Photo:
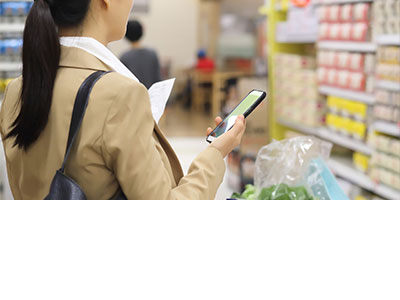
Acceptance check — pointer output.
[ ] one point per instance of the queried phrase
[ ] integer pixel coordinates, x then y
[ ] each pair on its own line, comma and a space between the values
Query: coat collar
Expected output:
76, 58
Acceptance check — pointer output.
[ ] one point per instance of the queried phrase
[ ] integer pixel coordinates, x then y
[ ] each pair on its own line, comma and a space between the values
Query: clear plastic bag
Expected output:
295, 169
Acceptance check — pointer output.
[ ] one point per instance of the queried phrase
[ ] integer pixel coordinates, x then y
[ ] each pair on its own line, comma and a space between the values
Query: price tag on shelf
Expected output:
301, 3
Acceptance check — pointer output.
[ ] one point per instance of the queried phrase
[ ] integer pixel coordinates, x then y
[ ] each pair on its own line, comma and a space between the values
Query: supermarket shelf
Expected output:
347, 94
387, 192
387, 128
388, 39
329, 2
298, 127
12, 27
10, 66
343, 168
327, 135
345, 141
347, 46
388, 85
297, 39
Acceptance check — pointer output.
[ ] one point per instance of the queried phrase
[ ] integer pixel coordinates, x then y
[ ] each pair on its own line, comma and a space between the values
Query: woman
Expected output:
119, 144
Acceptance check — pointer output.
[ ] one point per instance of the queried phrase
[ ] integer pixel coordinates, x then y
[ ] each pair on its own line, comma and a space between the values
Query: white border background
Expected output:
347, 250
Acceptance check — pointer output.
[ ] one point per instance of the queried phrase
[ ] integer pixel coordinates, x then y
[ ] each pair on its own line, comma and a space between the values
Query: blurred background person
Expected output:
204, 63
141, 61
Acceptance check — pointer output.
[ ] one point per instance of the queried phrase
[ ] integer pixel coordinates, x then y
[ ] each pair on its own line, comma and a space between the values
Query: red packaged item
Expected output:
334, 32
345, 31
334, 13
343, 60
357, 61
357, 81
361, 12
323, 33
322, 58
346, 13
322, 75
359, 32
332, 59
332, 77
322, 13
343, 79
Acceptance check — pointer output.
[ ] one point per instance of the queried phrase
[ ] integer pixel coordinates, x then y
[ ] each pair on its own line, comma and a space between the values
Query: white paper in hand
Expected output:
159, 95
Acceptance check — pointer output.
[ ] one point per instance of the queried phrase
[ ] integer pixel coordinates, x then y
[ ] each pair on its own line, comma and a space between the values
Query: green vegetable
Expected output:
275, 192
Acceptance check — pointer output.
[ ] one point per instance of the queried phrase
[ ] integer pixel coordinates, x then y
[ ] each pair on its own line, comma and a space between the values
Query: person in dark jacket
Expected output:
143, 62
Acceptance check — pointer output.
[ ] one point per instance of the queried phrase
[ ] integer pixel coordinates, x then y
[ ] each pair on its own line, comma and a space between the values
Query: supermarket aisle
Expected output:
5, 192
187, 149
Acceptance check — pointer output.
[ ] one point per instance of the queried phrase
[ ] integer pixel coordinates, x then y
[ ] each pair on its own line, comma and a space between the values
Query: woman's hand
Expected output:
227, 142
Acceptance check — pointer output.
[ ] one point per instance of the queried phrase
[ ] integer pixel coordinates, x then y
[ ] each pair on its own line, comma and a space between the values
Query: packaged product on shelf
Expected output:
296, 90
389, 54
361, 161
348, 108
347, 70
14, 11
10, 49
346, 13
385, 177
385, 161
386, 17
384, 143
360, 32
345, 31
347, 22
387, 113
388, 98
334, 13
362, 12
346, 126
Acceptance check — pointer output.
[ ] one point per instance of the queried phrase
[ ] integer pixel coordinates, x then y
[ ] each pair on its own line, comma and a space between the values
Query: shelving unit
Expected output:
388, 39
344, 141
297, 39
343, 168
330, 136
10, 66
388, 85
328, 2
347, 46
11, 28
387, 128
299, 128
347, 94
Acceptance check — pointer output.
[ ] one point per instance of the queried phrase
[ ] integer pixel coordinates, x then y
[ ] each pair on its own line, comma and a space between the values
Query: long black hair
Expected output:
41, 58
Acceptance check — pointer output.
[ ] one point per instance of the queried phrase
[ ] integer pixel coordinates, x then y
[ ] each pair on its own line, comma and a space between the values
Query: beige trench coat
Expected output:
119, 144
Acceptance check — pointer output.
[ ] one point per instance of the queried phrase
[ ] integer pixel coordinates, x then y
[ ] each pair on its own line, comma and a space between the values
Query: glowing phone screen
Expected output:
241, 109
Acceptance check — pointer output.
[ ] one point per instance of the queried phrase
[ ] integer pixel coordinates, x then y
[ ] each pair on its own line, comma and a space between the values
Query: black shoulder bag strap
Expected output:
63, 187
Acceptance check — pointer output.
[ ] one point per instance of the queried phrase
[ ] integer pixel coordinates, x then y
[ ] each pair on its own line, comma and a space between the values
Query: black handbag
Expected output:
62, 186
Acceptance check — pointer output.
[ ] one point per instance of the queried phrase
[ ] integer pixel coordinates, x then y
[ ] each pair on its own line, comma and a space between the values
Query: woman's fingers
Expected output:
209, 130
218, 120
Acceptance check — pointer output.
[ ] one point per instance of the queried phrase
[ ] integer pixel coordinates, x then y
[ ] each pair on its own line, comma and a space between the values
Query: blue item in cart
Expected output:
323, 183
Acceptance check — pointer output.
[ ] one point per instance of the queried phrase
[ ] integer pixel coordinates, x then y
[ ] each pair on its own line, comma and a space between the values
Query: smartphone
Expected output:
246, 107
